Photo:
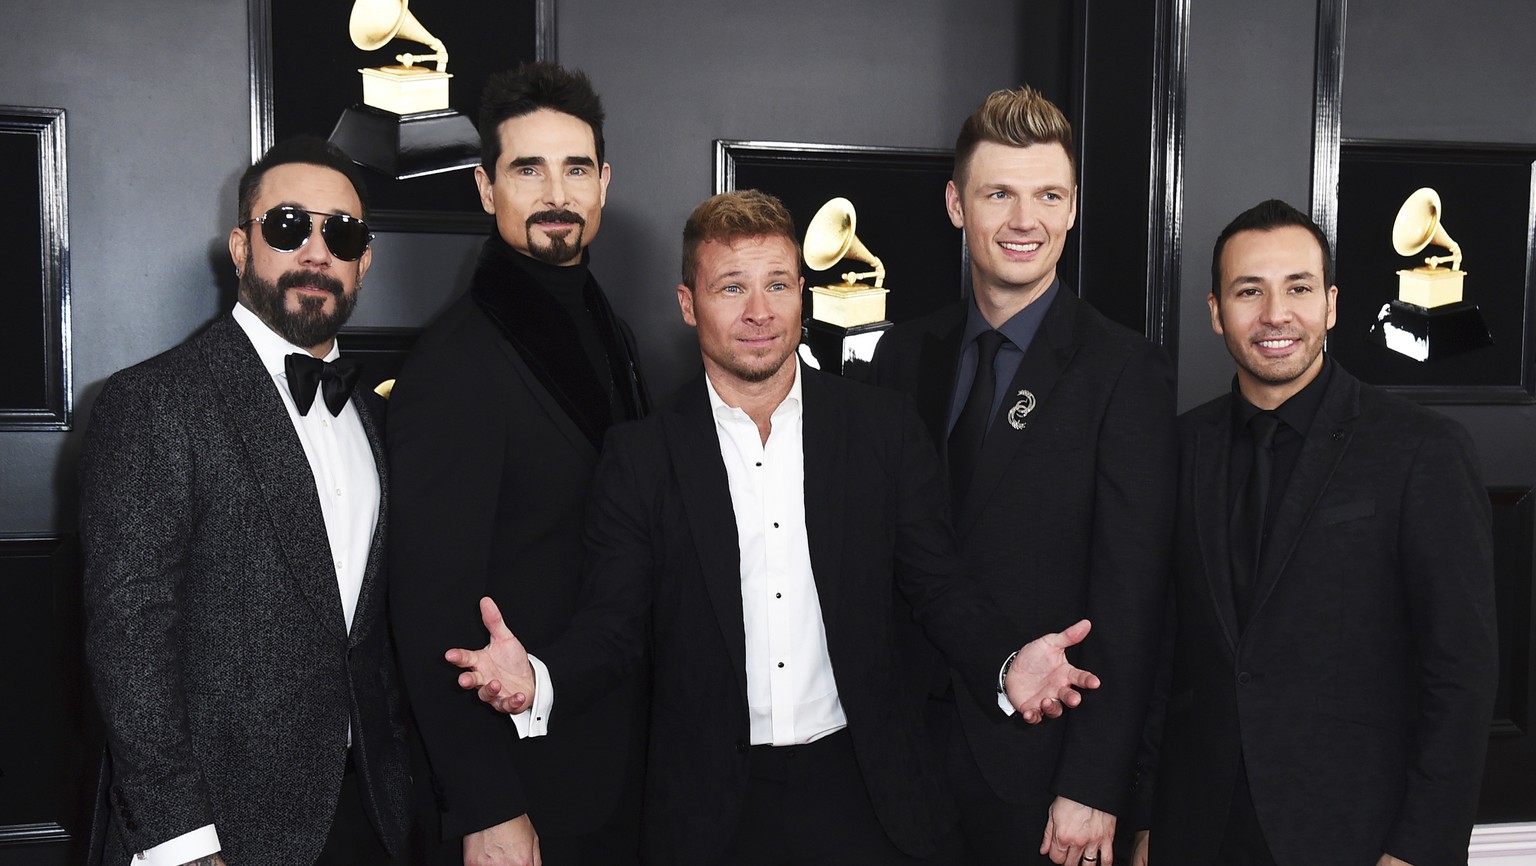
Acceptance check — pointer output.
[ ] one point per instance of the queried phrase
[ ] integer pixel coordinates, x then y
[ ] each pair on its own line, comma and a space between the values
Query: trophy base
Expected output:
848, 306
407, 145
1429, 334
1430, 287
845, 351
405, 89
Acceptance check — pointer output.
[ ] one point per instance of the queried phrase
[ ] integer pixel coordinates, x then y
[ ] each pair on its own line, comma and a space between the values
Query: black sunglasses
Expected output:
285, 229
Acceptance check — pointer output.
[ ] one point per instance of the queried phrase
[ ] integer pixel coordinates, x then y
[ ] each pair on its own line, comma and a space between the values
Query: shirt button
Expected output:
778, 595
1245, 678
324, 423
338, 491
781, 664
758, 463
775, 526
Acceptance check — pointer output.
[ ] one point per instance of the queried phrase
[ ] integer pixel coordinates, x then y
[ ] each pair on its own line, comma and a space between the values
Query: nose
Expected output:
315, 253
1276, 308
1022, 215
554, 191
758, 311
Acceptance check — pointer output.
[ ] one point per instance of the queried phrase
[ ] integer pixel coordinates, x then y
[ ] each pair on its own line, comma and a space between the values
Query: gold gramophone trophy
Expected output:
404, 127
1428, 320
847, 319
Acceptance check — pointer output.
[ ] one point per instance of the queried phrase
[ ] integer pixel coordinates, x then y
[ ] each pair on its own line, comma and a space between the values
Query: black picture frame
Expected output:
304, 74
35, 352
382, 352
897, 193
1488, 198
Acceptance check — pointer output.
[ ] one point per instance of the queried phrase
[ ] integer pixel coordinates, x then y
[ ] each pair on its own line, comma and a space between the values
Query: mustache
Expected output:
556, 216
312, 279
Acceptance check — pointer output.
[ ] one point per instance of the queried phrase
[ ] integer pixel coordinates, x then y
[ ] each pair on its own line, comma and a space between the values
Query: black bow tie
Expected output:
306, 373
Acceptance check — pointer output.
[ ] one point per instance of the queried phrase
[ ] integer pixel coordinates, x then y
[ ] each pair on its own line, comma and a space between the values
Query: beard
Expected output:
309, 325
560, 249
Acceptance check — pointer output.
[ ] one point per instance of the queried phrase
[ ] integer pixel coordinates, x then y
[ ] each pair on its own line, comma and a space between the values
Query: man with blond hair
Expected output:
753, 535
1057, 427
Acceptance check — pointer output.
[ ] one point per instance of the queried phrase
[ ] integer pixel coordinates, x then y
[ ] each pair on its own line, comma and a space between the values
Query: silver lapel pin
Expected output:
1021, 410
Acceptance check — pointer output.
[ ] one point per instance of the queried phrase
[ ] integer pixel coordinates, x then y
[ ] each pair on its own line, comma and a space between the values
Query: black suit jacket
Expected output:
1361, 691
1070, 517
214, 630
493, 436
665, 559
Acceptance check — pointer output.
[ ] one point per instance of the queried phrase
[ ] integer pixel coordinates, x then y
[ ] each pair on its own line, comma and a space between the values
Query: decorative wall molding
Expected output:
1503, 844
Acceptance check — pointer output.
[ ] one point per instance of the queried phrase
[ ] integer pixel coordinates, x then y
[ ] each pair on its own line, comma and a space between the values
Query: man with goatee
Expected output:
495, 426
232, 523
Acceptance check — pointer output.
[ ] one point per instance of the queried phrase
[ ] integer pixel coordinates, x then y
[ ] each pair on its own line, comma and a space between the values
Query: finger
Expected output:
1069, 696
471, 680
1045, 840
1081, 678
1028, 715
1071, 635
1106, 853
1051, 708
460, 657
490, 615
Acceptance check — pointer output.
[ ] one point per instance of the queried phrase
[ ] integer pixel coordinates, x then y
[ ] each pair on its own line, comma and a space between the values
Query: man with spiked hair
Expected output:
1057, 428
495, 425
234, 498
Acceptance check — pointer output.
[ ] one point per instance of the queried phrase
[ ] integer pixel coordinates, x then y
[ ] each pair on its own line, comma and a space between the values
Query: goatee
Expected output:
309, 325
561, 249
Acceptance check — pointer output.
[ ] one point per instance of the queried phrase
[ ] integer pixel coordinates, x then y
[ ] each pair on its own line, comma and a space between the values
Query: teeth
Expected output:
1021, 248
1275, 344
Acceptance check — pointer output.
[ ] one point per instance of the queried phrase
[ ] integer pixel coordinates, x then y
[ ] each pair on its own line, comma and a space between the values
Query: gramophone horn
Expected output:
1418, 225
375, 22
830, 237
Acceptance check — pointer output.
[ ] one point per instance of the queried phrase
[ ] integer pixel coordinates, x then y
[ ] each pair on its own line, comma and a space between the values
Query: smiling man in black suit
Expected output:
1057, 426
1333, 668
233, 507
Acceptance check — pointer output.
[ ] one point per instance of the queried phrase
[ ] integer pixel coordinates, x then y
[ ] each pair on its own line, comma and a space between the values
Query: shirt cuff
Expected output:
534, 721
1002, 691
183, 849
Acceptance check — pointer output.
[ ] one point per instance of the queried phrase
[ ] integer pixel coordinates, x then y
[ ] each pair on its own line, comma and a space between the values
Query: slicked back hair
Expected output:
1015, 118
528, 88
746, 213
305, 150
1268, 216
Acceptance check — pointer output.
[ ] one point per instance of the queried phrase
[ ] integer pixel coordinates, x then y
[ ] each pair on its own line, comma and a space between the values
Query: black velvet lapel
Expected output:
545, 337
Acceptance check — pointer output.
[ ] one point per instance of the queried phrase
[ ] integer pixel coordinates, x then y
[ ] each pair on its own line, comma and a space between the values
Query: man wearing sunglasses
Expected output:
232, 524
495, 425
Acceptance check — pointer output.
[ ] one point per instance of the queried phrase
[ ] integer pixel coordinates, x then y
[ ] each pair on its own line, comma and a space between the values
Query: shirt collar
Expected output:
1021, 326
271, 347
1297, 412
723, 410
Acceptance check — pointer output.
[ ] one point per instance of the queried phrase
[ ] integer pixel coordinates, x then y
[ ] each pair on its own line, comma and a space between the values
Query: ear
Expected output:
364, 262
238, 246
602, 197
1072, 214
484, 184
1333, 305
952, 204
685, 304
1210, 301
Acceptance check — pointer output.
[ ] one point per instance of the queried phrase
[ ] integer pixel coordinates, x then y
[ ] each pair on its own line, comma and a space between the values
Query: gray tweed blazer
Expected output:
214, 631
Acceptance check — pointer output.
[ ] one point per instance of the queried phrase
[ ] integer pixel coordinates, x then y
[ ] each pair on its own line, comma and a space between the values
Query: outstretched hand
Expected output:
1041, 683
499, 673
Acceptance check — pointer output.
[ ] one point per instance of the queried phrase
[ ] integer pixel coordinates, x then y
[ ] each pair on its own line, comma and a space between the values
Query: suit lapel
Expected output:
826, 458
1212, 456
552, 407
705, 489
372, 592
1048, 354
1321, 451
257, 416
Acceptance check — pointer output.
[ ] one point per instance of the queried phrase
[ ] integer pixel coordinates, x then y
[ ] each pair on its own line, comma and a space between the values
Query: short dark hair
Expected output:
1268, 216
306, 150
747, 213
1015, 118
527, 89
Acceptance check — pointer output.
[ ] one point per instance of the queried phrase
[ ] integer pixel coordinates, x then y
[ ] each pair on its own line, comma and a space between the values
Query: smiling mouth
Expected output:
1278, 343
1012, 246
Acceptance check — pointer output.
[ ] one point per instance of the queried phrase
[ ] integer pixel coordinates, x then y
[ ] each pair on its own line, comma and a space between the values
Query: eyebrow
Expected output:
1254, 278
522, 161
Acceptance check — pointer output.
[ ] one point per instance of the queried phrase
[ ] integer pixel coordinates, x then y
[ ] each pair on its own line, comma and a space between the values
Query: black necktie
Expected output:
1246, 533
306, 373
970, 431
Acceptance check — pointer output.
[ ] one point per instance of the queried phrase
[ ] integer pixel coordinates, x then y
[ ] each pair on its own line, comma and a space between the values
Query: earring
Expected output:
237, 273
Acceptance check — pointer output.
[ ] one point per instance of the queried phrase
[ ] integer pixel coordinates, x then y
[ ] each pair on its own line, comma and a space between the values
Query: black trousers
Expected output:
994, 830
807, 805
353, 841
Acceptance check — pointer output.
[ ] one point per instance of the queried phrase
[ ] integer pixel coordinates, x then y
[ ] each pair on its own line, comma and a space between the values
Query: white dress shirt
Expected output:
791, 692
347, 482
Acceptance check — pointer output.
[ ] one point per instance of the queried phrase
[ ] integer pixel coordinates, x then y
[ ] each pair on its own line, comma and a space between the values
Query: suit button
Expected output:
1244, 678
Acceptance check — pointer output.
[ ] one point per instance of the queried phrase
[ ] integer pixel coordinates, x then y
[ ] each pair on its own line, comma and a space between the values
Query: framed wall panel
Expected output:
897, 193
34, 245
304, 74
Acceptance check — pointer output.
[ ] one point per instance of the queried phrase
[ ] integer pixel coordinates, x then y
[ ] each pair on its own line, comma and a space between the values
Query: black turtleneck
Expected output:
567, 284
